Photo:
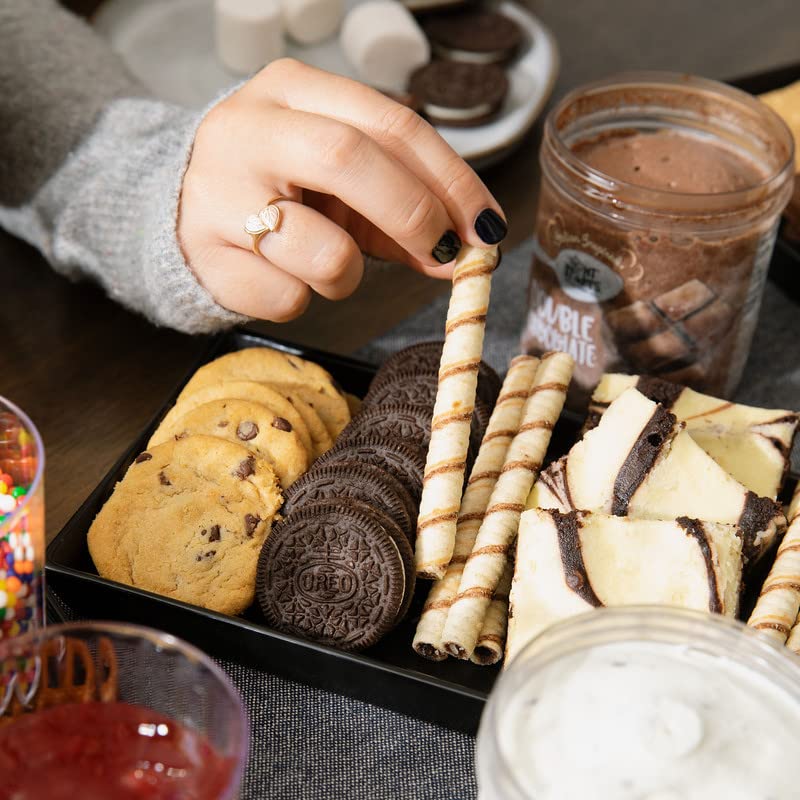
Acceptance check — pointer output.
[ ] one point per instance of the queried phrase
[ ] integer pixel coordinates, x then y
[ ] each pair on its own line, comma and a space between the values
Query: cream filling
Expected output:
457, 114
636, 721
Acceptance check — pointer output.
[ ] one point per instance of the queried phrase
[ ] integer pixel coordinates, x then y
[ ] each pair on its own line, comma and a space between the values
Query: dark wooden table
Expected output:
91, 374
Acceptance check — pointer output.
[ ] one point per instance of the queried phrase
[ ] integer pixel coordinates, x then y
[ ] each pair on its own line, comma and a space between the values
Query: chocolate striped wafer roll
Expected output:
492, 639
503, 426
452, 411
777, 608
489, 556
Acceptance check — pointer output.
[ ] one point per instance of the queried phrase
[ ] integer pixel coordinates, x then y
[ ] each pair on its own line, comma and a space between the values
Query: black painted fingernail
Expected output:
447, 247
490, 226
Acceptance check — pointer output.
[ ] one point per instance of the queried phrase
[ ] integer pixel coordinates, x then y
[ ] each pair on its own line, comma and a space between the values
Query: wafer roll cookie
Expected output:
779, 602
489, 556
503, 426
452, 411
492, 640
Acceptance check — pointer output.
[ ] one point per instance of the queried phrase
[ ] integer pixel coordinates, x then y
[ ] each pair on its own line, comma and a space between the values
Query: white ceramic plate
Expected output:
169, 47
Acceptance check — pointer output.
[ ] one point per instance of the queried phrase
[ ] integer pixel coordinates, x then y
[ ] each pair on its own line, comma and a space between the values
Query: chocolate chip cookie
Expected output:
284, 372
188, 521
267, 435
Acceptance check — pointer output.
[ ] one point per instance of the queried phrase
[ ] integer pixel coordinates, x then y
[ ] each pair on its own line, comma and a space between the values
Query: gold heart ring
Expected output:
266, 221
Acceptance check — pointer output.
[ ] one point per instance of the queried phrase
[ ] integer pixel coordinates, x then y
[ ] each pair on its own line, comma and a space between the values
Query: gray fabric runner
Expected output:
309, 744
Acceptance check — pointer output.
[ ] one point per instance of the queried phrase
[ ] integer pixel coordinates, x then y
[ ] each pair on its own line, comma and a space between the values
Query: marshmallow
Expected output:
312, 21
249, 33
384, 43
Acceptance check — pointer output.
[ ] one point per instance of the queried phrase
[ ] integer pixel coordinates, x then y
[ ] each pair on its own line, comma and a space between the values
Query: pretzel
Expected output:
489, 556
503, 426
67, 673
452, 411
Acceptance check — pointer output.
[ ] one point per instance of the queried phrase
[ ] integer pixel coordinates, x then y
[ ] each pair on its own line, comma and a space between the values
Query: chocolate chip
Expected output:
223, 424
179, 436
214, 536
247, 430
251, 523
142, 457
282, 424
210, 553
203, 532
245, 468
163, 479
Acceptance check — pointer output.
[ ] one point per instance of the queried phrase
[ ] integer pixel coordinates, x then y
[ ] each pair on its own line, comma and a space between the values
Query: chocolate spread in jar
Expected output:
652, 247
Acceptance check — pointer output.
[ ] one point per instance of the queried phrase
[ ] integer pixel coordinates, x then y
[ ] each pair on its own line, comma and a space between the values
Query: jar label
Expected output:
582, 276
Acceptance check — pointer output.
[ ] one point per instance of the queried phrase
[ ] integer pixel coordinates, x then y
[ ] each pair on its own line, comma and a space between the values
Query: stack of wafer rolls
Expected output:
492, 638
452, 413
490, 553
503, 426
776, 612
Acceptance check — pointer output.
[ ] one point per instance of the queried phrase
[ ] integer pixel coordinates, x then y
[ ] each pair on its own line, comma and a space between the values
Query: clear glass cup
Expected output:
106, 672
504, 760
22, 543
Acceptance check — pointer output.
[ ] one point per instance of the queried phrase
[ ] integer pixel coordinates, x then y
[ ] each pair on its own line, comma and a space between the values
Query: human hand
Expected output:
358, 171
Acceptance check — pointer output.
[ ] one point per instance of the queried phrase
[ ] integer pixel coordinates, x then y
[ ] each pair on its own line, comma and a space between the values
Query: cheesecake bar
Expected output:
752, 444
570, 563
641, 462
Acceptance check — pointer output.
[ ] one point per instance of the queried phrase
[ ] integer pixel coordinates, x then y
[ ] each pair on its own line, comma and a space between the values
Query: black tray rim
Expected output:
56, 569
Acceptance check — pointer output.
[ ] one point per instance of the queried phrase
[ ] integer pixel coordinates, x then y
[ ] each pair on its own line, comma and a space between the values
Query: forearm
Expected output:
91, 170
56, 77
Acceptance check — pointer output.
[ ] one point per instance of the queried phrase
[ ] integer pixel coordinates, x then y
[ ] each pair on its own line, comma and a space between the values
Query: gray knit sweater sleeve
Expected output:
92, 168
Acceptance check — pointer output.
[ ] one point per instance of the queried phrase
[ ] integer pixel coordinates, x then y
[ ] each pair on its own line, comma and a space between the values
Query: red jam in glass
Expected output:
100, 751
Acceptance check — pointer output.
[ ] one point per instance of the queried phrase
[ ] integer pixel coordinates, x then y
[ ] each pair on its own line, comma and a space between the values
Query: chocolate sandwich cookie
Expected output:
402, 459
459, 94
404, 546
352, 480
425, 357
397, 421
473, 36
404, 388
334, 574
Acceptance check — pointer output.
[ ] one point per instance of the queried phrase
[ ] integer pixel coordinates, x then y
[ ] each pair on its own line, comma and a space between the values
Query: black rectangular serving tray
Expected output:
451, 693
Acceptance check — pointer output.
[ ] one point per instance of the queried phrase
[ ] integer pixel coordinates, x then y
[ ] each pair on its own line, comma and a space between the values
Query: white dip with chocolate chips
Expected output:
632, 721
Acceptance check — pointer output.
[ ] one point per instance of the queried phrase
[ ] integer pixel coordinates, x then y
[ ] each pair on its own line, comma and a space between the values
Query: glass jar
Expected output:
658, 268
22, 545
594, 724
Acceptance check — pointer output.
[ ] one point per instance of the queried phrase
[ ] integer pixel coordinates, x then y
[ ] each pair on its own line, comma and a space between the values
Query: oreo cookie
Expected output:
395, 421
459, 94
403, 460
425, 357
361, 482
404, 388
334, 573
473, 35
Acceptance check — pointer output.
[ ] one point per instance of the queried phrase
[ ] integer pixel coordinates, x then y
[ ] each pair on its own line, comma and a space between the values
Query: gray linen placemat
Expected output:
309, 744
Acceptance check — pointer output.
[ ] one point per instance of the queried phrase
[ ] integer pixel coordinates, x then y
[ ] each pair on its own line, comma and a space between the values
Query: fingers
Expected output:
241, 281
313, 249
372, 240
476, 214
328, 156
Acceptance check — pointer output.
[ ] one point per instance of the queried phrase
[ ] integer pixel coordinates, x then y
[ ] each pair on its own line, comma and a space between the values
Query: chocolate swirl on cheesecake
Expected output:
694, 527
569, 545
758, 515
641, 458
